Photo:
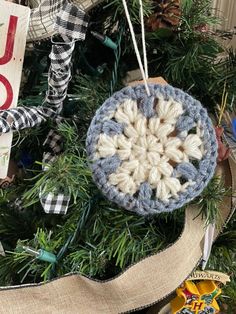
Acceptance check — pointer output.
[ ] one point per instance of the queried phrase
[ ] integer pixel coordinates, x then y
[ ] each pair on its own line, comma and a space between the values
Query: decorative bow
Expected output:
71, 24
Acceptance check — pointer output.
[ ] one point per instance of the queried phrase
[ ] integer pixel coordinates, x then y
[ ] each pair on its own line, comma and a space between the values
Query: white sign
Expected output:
14, 20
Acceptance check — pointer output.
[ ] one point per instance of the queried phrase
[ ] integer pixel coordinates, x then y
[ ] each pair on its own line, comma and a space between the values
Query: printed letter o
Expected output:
9, 91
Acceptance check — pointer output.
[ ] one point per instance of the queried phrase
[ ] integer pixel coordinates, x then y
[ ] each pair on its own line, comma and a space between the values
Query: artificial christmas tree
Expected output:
97, 238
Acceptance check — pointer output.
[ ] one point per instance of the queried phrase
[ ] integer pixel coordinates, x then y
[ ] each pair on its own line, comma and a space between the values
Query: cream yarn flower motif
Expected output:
151, 153
192, 147
149, 149
169, 111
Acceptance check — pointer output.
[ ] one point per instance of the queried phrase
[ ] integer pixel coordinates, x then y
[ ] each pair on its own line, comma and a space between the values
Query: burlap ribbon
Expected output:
141, 285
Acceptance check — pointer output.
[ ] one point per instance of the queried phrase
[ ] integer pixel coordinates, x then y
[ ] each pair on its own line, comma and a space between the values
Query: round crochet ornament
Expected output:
151, 154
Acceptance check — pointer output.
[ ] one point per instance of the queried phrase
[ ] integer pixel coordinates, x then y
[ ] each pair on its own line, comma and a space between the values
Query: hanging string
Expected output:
144, 75
143, 39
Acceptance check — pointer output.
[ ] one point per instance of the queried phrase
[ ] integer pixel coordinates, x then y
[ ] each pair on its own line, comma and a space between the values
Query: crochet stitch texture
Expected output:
151, 154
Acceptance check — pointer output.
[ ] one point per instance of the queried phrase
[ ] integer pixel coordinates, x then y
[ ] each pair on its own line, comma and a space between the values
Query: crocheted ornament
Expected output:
151, 154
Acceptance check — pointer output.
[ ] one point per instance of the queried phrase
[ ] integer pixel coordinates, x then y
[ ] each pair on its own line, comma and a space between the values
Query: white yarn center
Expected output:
149, 149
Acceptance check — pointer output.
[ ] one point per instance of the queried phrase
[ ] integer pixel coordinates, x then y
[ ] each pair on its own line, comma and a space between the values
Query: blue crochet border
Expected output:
143, 204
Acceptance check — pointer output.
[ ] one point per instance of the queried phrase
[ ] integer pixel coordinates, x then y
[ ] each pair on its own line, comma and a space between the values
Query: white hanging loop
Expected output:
143, 39
144, 73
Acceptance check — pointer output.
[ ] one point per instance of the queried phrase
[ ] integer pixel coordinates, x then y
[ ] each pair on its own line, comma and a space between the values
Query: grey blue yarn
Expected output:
143, 202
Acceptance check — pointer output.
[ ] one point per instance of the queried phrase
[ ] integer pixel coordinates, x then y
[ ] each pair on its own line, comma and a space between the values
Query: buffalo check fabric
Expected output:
20, 118
54, 204
53, 142
71, 25
53, 147
43, 18
72, 22
58, 79
44, 13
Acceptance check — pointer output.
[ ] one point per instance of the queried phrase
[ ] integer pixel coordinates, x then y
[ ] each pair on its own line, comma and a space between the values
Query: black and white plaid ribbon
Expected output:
71, 24
53, 203
53, 145
44, 12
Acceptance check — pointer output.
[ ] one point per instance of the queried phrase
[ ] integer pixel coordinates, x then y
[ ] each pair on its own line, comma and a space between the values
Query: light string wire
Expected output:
143, 72
117, 53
